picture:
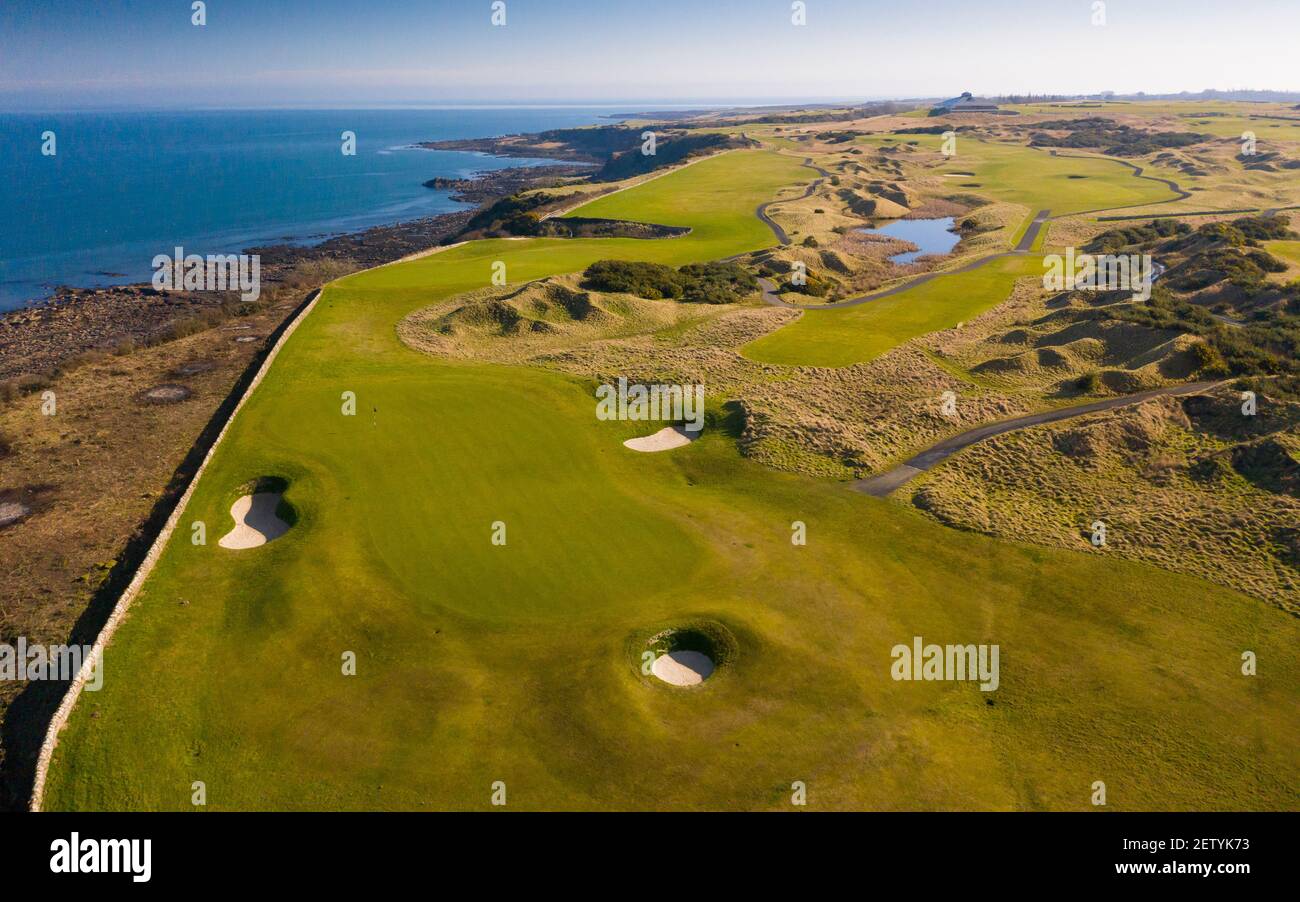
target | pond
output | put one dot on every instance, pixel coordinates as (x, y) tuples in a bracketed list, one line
[(932, 236)]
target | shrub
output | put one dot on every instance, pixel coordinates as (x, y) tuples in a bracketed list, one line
[(1116, 139), (1209, 362), (813, 285), (647, 280), (716, 283), (182, 327), (1264, 228), (1117, 239), (28, 383), (707, 283)]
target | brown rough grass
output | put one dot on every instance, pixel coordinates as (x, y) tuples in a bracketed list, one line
[(1160, 482)]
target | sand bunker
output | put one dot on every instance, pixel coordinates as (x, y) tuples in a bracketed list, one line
[(664, 440), (256, 522), (245, 339), (683, 668)]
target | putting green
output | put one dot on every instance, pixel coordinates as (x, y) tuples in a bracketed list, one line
[(520, 663)]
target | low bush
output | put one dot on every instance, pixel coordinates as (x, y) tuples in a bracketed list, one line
[(704, 283)]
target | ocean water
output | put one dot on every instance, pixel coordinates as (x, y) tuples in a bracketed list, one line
[(123, 187)]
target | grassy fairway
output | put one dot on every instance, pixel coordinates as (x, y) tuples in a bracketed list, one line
[(712, 196), (1062, 184), (1040, 181), (519, 663), (857, 334)]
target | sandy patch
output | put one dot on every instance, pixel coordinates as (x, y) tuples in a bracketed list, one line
[(167, 394), (682, 668), (664, 440), (194, 368), (256, 522), (12, 511)]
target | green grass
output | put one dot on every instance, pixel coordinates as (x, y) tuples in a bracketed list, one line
[(845, 336), (712, 197), (1040, 181), (479, 663), (1285, 250)]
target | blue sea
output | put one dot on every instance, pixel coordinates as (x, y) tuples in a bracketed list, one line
[(125, 186)]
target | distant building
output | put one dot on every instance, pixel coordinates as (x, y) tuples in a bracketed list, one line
[(965, 104)]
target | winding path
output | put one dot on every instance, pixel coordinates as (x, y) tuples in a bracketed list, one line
[(1023, 246), (1138, 172), (891, 480), (888, 482), (761, 211)]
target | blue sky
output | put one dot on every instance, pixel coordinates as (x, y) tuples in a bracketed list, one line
[(100, 53)]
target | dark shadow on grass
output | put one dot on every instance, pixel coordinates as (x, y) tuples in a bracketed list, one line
[(732, 421)]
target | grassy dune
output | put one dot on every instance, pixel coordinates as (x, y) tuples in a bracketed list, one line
[(1223, 119), (1031, 178), (519, 663)]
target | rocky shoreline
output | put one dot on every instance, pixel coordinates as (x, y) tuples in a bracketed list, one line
[(41, 340), (517, 146), (505, 182)]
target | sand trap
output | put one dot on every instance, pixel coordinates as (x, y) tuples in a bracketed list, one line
[(255, 521), (244, 339), (664, 440), (683, 668), (958, 175)]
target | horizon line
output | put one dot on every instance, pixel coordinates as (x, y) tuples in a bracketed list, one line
[(630, 106)]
